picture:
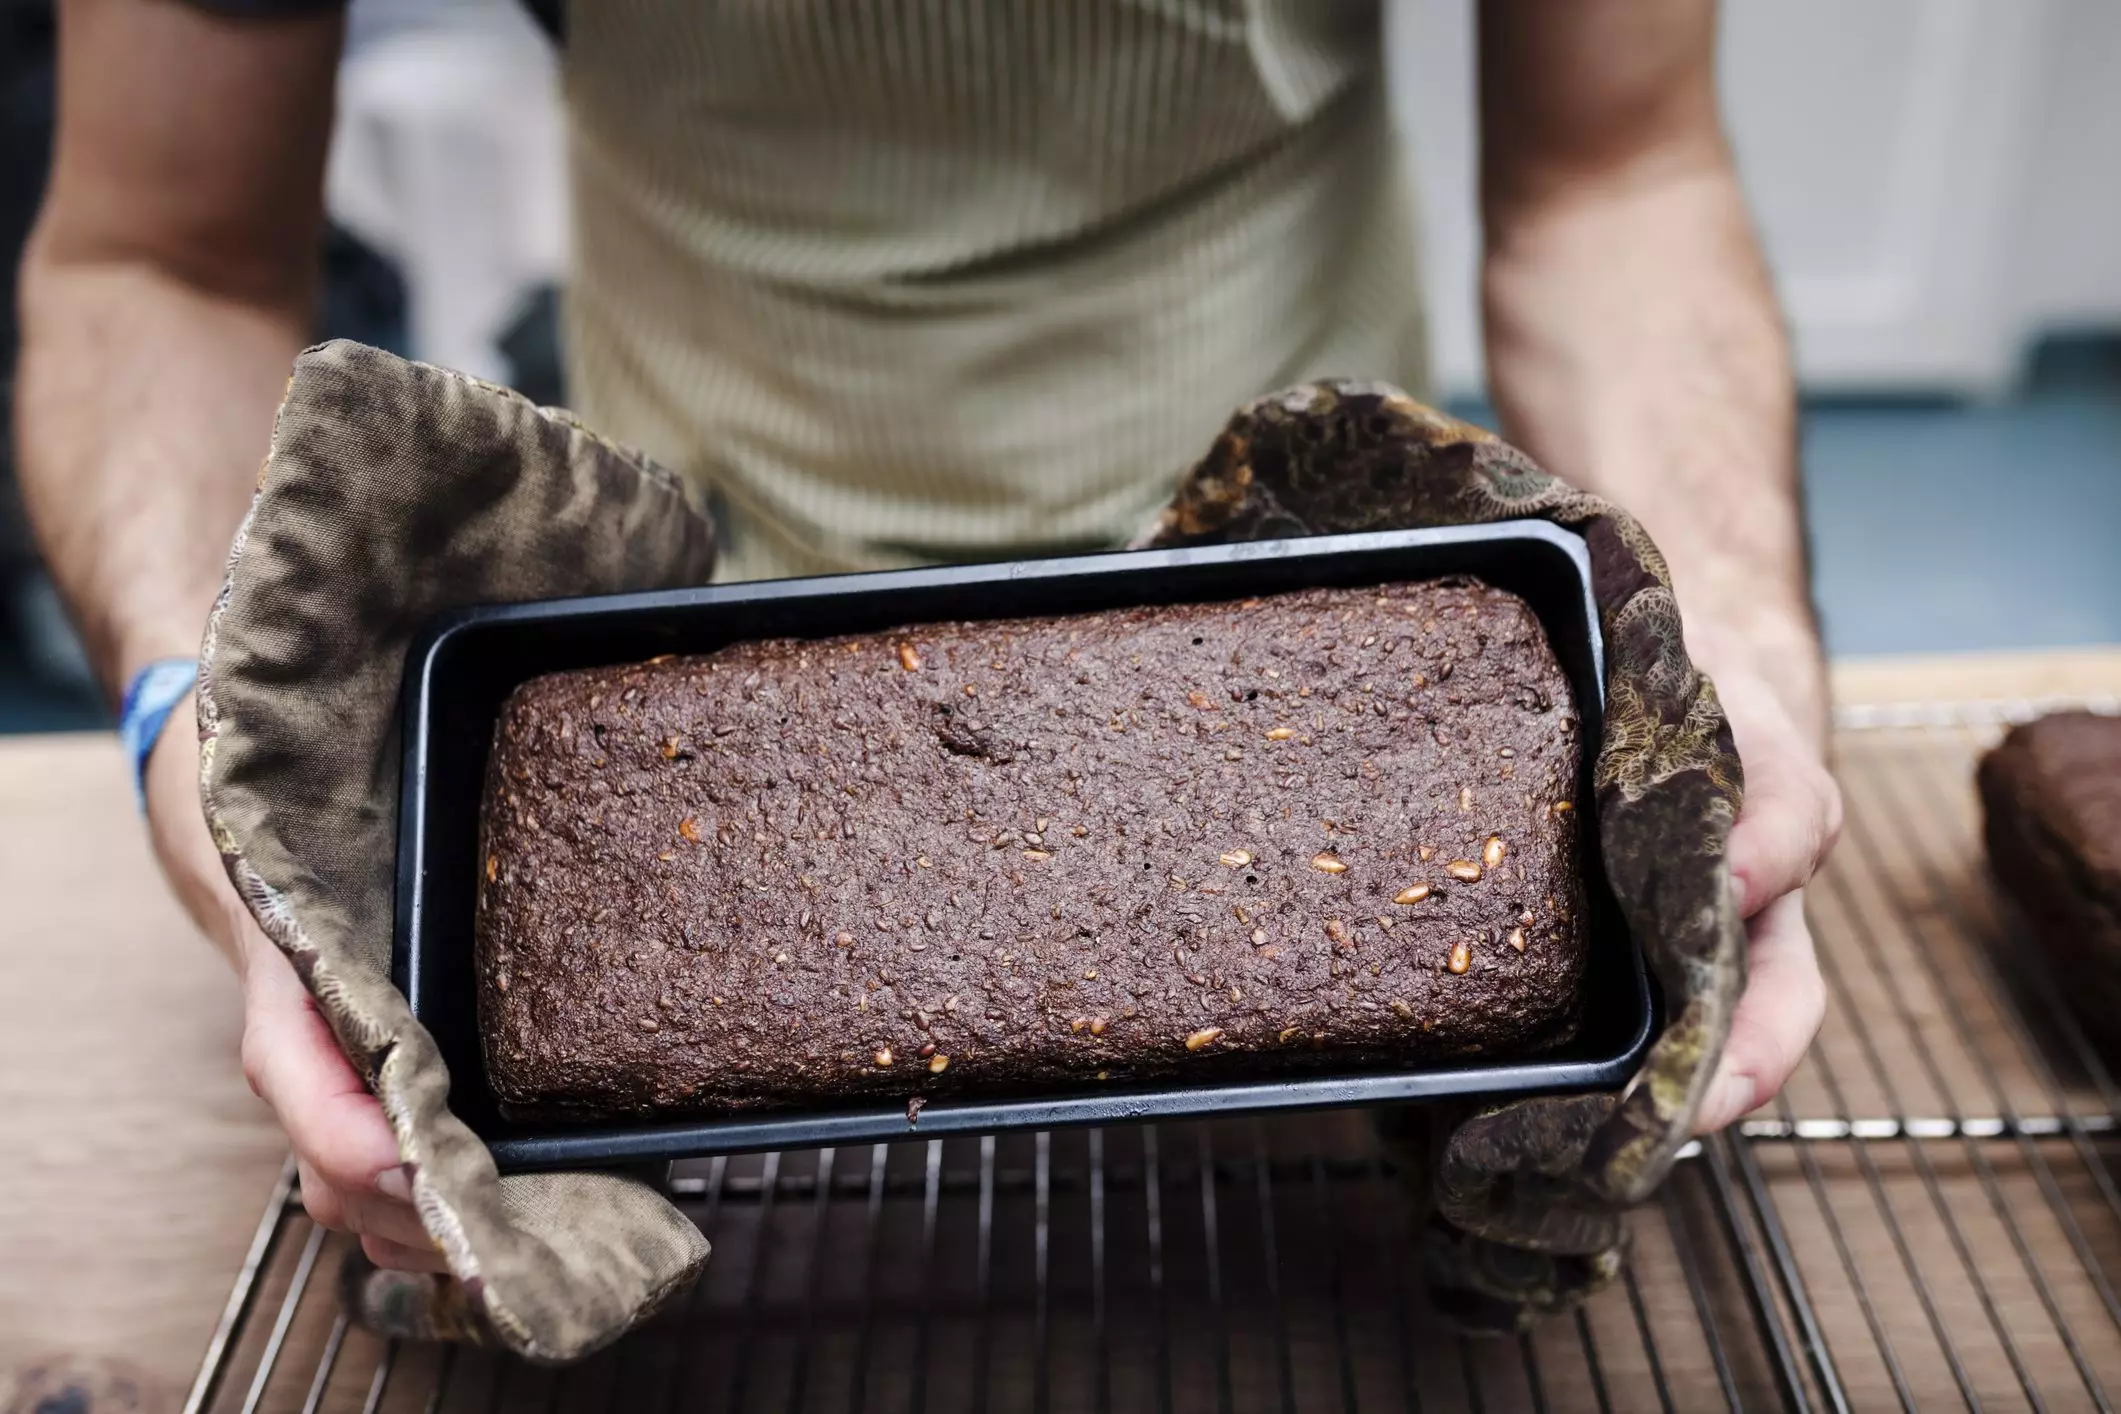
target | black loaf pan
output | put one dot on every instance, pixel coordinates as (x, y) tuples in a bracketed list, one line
[(464, 666)]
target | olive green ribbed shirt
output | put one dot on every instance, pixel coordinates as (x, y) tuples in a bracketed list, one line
[(910, 280)]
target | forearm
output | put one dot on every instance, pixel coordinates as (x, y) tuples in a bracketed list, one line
[(164, 294), (1635, 348), (143, 411)]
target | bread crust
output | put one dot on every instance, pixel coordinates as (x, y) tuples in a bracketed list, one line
[(1330, 829)]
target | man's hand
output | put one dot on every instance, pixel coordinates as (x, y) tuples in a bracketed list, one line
[(1634, 348), (1792, 817), (348, 1157)]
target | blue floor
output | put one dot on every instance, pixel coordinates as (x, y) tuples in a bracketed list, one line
[(1945, 528), (1940, 526), (27, 705), (1936, 527), (42, 688)]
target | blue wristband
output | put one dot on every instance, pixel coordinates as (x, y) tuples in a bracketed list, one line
[(153, 694)]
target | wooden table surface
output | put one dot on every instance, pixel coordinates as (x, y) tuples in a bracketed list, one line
[(138, 1160)]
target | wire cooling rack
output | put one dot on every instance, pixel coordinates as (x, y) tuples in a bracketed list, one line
[(1928, 1218)]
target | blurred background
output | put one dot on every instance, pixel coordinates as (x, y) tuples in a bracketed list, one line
[(1937, 182)]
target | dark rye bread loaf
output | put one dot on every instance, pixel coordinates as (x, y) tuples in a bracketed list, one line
[(1332, 828), (2051, 801)]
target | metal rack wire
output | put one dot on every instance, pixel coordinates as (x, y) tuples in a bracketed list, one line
[(1928, 1218)]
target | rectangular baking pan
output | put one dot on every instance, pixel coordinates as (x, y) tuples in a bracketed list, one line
[(467, 662)]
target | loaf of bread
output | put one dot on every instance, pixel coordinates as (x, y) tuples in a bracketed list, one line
[(1330, 829), (2051, 800)]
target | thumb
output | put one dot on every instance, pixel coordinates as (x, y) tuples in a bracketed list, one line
[(294, 1063), (1784, 1002)]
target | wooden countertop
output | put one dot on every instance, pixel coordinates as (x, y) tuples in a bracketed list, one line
[(2079, 673), (139, 1160)]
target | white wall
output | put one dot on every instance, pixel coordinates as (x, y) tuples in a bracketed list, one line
[(2068, 238), (1935, 180)]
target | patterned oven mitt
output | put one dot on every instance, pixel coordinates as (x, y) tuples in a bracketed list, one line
[(394, 491), (1524, 1202)]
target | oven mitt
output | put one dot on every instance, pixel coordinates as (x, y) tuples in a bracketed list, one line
[(394, 491), (1524, 1201)]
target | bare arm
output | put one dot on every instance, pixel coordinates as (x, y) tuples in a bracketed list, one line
[(166, 290), (1635, 347)]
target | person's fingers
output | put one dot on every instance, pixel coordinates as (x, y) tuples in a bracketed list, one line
[(324, 1204), (346, 1155), (362, 1214), (1792, 813), (371, 1216), (1792, 817), (1784, 1002), (291, 1060), (399, 1257)]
